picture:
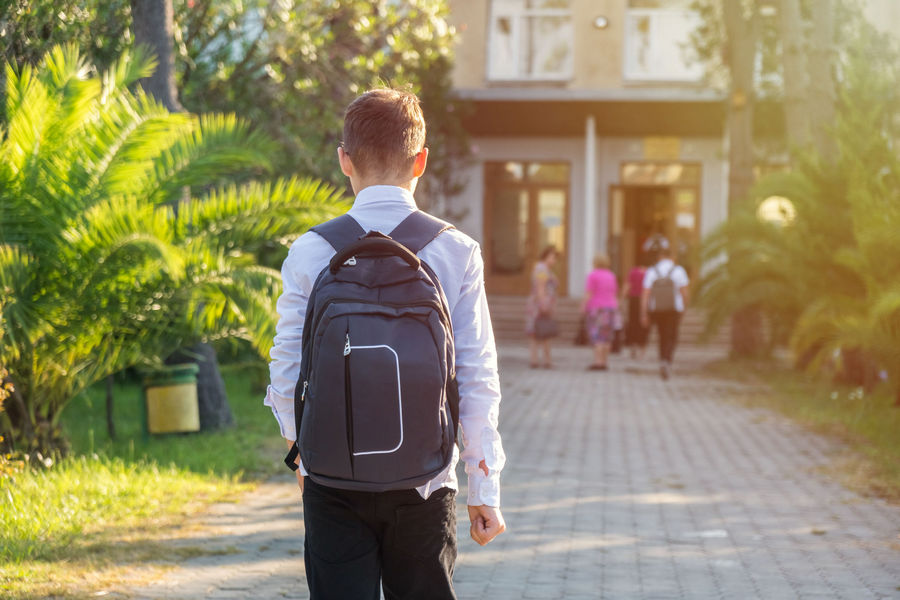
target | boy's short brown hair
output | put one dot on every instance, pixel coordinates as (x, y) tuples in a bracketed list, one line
[(384, 130)]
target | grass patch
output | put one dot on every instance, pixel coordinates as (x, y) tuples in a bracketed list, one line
[(115, 505), (235, 451), (866, 423)]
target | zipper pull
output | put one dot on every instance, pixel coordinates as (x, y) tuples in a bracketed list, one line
[(303, 394), (347, 346)]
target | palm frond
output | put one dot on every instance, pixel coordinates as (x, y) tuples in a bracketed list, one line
[(243, 217), (131, 66), (122, 142), (17, 318), (219, 146)]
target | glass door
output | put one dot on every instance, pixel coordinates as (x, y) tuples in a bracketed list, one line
[(637, 212), (526, 208)]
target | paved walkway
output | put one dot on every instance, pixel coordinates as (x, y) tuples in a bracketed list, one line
[(618, 486)]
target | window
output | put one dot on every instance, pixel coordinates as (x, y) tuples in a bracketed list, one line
[(658, 40), (530, 40)]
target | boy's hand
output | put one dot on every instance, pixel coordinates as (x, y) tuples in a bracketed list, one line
[(487, 523), (296, 462)]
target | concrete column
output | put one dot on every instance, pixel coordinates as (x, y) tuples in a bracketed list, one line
[(590, 194)]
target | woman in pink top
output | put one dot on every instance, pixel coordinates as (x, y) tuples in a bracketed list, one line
[(601, 308)]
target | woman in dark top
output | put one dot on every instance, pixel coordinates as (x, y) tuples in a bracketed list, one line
[(635, 332)]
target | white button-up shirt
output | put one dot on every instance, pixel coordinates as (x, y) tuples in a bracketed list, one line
[(457, 262)]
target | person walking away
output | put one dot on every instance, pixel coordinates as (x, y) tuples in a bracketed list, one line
[(635, 332), (600, 307), (540, 309), (663, 302), (401, 539)]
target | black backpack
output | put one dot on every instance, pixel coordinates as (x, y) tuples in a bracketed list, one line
[(377, 404)]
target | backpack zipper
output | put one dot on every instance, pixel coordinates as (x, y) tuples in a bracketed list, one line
[(348, 403)]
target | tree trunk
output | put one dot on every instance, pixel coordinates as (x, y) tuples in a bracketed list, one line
[(822, 95), (110, 422), (747, 338), (796, 78), (153, 27), (212, 399), (215, 413)]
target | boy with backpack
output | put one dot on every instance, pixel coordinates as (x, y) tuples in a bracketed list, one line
[(383, 348), (663, 302)]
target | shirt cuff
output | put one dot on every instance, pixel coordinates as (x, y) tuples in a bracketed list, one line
[(284, 415), (484, 489)]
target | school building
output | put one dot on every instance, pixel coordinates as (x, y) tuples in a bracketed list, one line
[(592, 129)]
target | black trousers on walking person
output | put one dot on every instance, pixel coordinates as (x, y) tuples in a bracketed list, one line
[(356, 540), (635, 332), (666, 323)]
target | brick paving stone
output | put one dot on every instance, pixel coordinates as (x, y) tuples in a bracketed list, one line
[(618, 486)]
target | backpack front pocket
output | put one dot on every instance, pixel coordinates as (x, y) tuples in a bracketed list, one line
[(395, 392), (376, 398)]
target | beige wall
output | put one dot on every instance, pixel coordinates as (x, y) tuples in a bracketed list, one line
[(470, 18), (598, 53), (885, 14)]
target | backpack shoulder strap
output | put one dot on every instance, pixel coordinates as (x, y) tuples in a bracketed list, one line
[(418, 230), (340, 231)]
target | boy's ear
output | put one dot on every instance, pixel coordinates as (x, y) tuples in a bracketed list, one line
[(346, 163), (420, 162)]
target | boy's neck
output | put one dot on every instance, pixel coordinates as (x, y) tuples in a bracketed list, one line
[(360, 185)]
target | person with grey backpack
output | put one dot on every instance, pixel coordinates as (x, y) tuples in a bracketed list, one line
[(663, 302), (383, 362)]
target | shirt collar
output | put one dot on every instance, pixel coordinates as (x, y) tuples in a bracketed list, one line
[(384, 194)]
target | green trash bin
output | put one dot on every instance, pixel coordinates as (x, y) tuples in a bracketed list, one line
[(170, 396)]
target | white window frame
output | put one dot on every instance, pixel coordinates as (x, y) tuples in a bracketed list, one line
[(518, 16), (629, 74)]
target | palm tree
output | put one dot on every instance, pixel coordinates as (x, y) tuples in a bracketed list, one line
[(98, 270), (827, 277)]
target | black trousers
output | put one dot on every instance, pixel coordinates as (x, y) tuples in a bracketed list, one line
[(666, 323), (354, 540), (635, 332)]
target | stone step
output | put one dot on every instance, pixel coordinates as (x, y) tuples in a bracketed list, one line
[(508, 316)]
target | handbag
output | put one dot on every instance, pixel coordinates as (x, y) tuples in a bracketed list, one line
[(581, 336), (545, 327)]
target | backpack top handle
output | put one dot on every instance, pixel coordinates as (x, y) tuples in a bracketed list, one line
[(376, 245)]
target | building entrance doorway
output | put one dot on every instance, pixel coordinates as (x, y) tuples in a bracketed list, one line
[(637, 212), (526, 207)]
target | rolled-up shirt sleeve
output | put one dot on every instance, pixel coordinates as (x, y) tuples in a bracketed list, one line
[(479, 386)]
